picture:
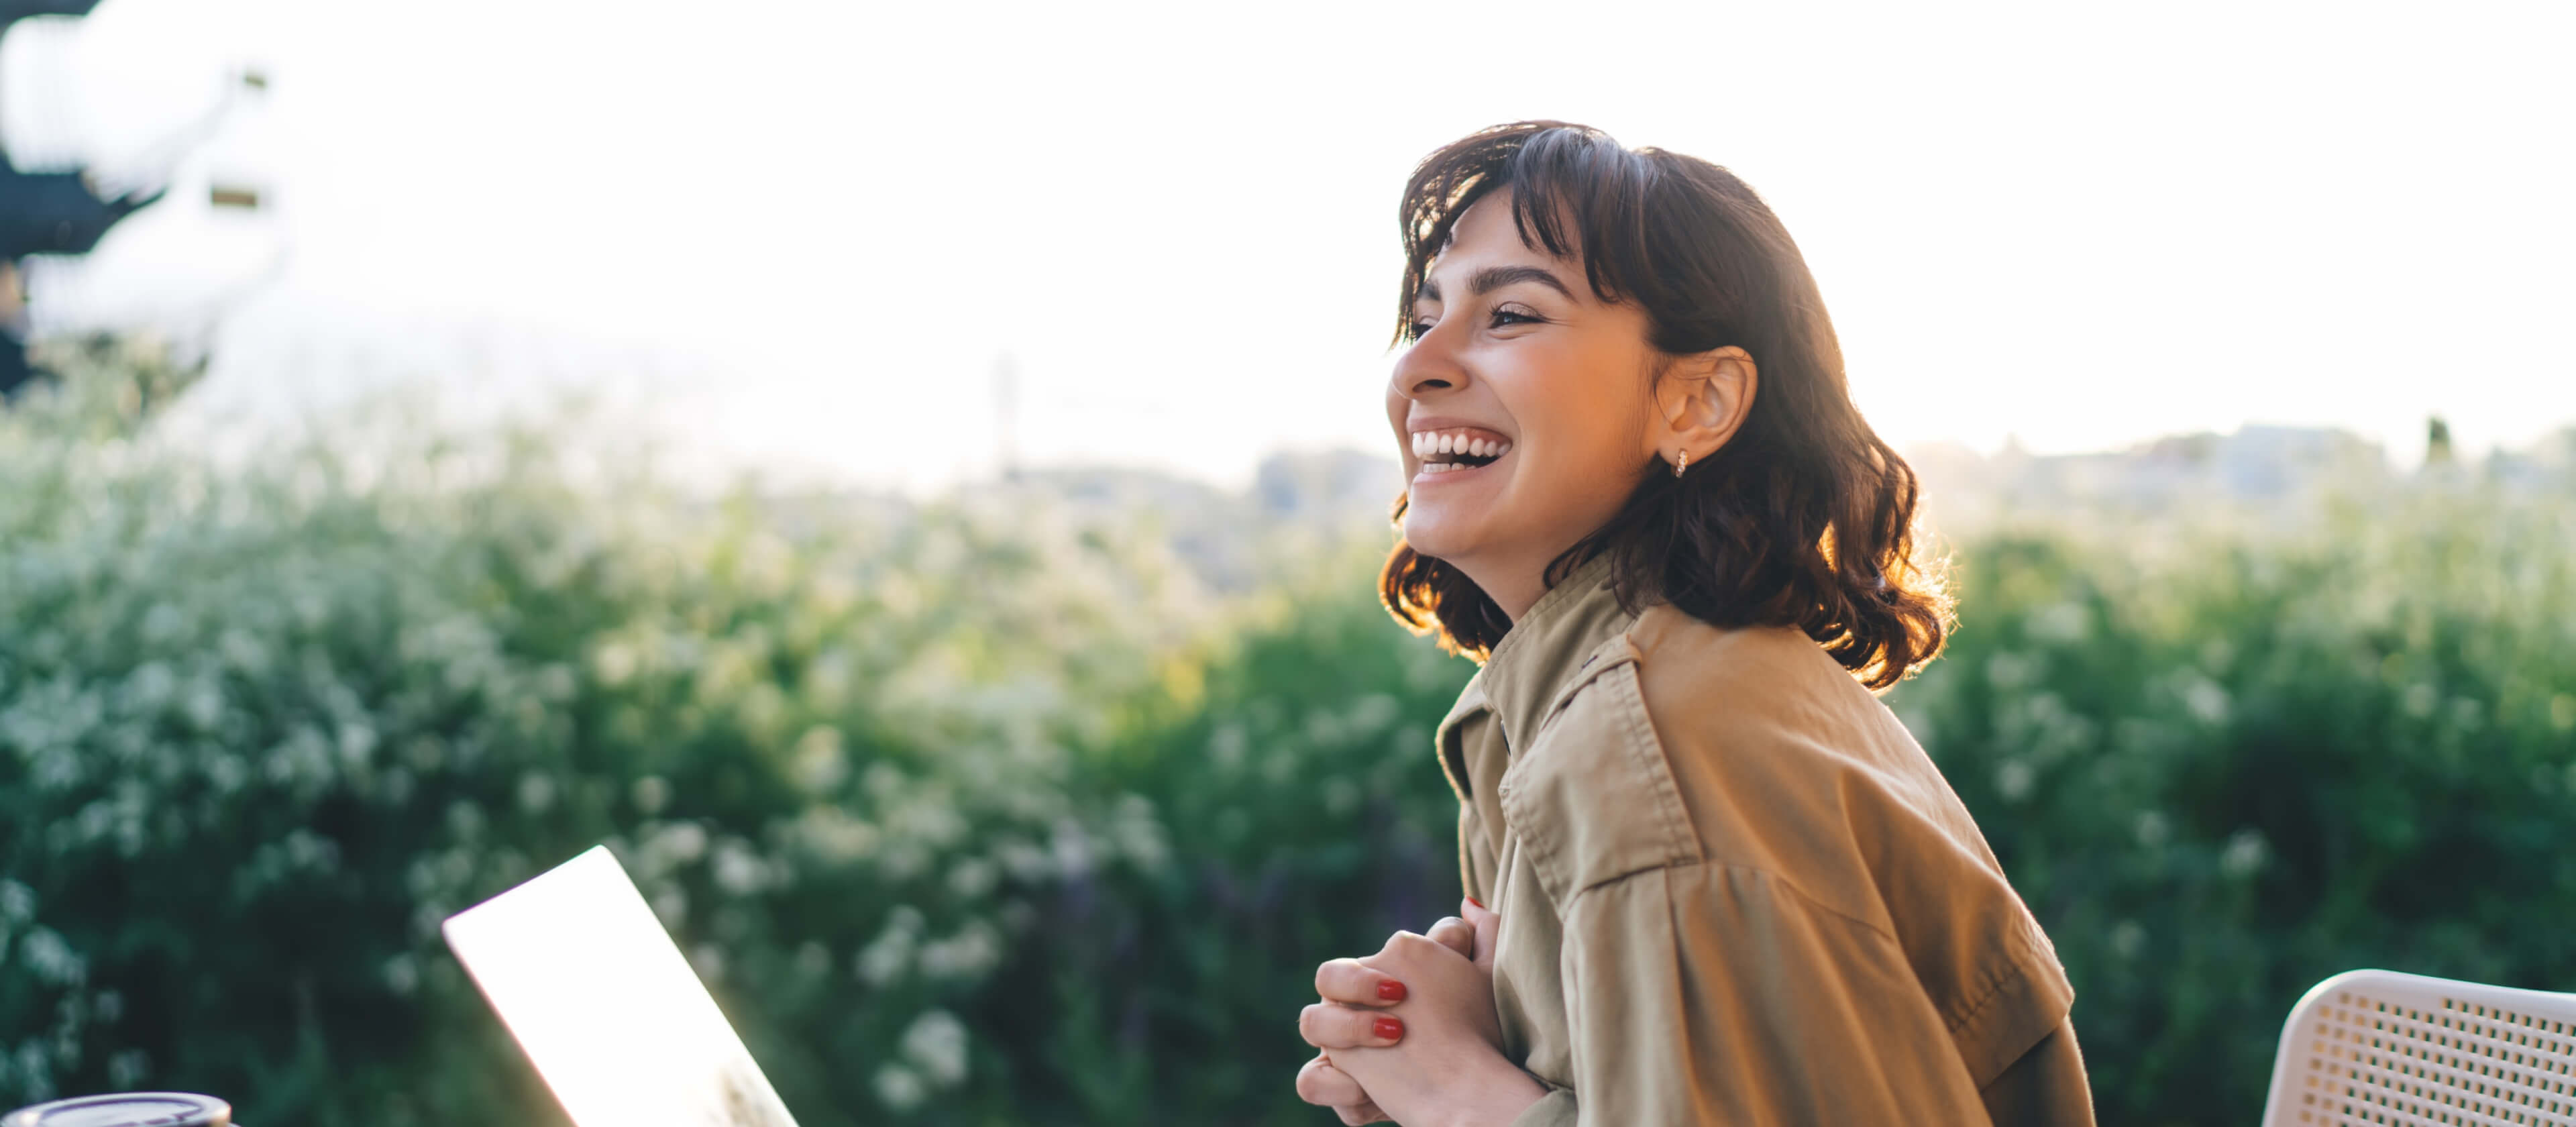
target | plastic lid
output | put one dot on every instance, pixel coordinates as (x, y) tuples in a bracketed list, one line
[(126, 1109)]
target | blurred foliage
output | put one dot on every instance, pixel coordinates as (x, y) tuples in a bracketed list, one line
[(2228, 756), (982, 812)]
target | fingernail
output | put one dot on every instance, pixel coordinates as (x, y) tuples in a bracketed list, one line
[(1478, 903), (1390, 1029), (1391, 990)]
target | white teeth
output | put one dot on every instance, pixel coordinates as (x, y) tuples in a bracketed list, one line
[(1428, 444)]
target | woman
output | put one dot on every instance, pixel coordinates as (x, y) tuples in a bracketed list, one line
[(1726, 886)]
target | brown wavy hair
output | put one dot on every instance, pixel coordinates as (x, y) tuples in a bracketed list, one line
[(1804, 518)]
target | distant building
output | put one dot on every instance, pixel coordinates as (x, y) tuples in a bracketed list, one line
[(1327, 485), (46, 212), (2258, 463)]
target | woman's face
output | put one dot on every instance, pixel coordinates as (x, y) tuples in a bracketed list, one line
[(1522, 410)]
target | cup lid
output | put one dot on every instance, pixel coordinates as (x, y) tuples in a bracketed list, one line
[(126, 1109)]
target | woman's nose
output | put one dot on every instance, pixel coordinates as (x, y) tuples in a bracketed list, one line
[(1427, 366)]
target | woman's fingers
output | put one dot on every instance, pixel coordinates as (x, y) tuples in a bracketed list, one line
[(1351, 984), (1487, 927), (1455, 934), (1326, 1025), (1322, 1084)]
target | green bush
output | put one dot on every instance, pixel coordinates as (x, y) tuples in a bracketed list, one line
[(898, 779), (2224, 759), (985, 812)]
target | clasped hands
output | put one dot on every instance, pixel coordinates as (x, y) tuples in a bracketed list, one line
[(1410, 1033)]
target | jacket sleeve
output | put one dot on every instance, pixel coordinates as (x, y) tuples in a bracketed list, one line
[(1710, 993), (2045, 1087)]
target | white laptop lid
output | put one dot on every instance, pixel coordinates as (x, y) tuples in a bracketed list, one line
[(606, 1007)]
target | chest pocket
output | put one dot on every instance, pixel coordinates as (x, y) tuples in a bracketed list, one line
[(1592, 798)]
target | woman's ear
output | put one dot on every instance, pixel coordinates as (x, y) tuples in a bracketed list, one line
[(1700, 402)]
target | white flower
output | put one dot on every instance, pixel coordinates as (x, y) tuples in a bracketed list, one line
[(975, 949), (936, 1044), (891, 951), (2245, 853), (899, 1088)]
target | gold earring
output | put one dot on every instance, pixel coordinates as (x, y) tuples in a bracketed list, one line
[(1681, 463)]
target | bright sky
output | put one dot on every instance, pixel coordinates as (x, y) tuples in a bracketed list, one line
[(816, 227)]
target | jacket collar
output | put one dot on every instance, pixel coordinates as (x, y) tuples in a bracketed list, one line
[(1547, 647)]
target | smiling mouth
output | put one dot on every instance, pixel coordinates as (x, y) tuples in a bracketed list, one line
[(1455, 450)]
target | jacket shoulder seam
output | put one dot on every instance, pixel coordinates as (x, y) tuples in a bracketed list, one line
[(1767, 876), (1597, 663)]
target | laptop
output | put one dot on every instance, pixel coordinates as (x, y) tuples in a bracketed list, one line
[(604, 1005)]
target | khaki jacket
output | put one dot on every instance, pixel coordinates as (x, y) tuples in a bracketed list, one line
[(1735, 891)]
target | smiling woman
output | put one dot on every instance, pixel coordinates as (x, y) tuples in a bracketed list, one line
[(1726, 885), (1670, 272)]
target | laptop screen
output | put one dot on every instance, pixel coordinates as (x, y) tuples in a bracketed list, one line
[(605, 1006)]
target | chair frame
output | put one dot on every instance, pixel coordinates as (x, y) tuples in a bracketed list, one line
[(2404, 1050)]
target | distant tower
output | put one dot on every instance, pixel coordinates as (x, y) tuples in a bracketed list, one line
[(1006, 412), (2437, 442), (59, 205), (45, 212)]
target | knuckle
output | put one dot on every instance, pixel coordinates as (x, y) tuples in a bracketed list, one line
[(1335, 977), (1310, 1082), (1360, 991), (1330, 1088), (1331, 1025)]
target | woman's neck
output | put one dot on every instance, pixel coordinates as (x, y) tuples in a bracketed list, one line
[(1515, 585)]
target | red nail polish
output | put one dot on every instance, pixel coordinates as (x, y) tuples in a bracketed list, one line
[(1390, 1029), (1478, 903), (1391, 990)]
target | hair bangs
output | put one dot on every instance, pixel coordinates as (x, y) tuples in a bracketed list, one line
[(1577, 194)]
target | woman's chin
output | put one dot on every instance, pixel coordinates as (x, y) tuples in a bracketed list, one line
[(1436, 534), (1446, 510)]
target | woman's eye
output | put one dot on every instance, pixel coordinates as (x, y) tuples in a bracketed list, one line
[(1421, 329), (1504, 317)]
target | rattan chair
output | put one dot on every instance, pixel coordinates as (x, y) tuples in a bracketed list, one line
[(2378, 1047)]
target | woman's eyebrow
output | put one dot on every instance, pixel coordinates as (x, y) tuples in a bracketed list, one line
[(1493, 278)]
